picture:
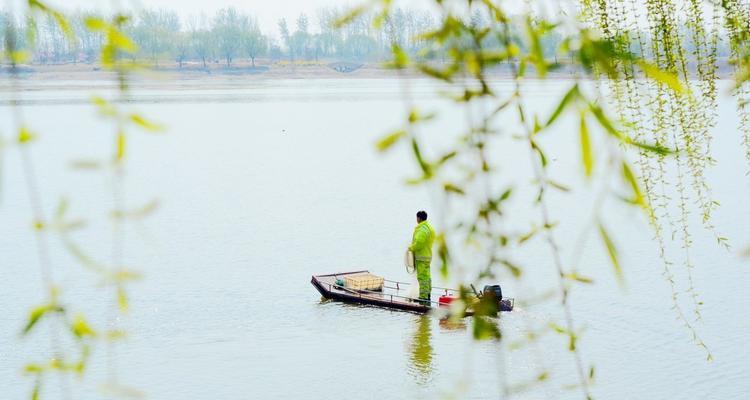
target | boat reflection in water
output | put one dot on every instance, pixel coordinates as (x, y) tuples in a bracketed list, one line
[(421, 352), (448, 324)]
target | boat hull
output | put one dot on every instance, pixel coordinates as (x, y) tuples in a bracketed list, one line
[(392, 297)]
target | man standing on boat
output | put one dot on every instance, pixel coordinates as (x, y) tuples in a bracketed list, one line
[(421, 246)]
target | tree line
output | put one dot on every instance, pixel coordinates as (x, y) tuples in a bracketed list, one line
[(230, 34), (224, 37)]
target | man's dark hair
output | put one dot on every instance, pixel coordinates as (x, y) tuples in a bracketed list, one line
[(422, 215)]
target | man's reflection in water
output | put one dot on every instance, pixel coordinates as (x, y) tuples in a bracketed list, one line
[(420, 356)]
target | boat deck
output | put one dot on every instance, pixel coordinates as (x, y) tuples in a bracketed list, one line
[(394, 293)]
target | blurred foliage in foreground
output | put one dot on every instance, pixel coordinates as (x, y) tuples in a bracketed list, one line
[(73, 336), (654, 69)]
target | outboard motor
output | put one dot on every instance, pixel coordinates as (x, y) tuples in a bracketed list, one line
[(496, 293), (493, 290)]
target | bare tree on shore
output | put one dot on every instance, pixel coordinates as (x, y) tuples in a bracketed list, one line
[(230, 34)]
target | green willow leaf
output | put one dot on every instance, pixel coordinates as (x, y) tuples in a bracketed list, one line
[(497, 13), (558, 329), (653, 148), (34, 317), (19, 56), (522, 67), (388, 141), (537, 126), (62, 208), (612, 252), (104, 107), (506, 195), (33, 368), (443, 254), (513, 268), (451, 188), (587, 156), (137, 213), (400, 58), (741, 77), (82, 257), (85, 164), (661, 76), (504, 104), (426, 168), (37, 389), (485, 329), (96, 24), (59, 17), (572, 342), (25, 135), (146, 124), (447, 157), (115, 334), (528, 235), (571, 95), (539, 151), (81, 328), (415, 116), (116, 40), (122, 299), (630, 179), (120, 152), (444, 75), (573, 276), (37, 313), (379, 19), (558, 186), (536, 55), (124, 275), (495, 57), (604, 121), (121, 42), (349, 17)]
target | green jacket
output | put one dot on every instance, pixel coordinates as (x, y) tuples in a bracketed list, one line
[(421, 244)]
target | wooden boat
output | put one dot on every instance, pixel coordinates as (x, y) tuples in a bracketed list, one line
[(393, 295)]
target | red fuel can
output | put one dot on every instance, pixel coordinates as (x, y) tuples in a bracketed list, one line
[(444, 301)]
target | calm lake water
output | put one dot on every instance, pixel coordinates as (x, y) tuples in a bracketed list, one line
[(263, 185)]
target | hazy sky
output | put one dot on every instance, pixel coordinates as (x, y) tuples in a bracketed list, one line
[(267, 11)]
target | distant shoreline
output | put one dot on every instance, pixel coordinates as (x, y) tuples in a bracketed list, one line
[(213, 71), (240, 71)]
